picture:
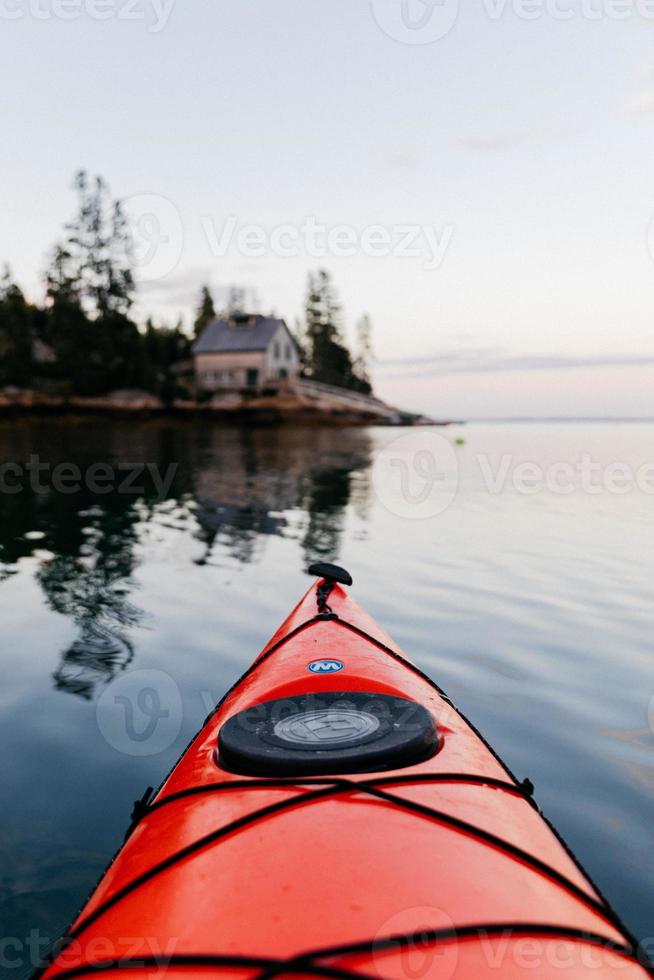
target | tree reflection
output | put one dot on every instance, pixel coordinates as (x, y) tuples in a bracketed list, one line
[(234, 488), (85, 562), (92, 589), (325, 501)]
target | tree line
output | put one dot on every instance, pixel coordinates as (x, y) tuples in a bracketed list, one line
[(83, 340)]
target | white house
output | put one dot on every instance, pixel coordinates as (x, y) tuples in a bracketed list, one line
[(244, 351)]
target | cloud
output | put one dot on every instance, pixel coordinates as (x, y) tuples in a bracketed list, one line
[(490, 360), (183, 289)]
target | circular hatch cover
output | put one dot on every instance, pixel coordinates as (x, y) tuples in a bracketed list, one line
[(330, 732)]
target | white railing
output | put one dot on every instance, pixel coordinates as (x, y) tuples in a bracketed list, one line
[(318, 388)]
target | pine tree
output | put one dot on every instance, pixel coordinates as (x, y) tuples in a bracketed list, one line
[(327, 356), (206, 311), (90, 287), (62, 278), (94, 263), (17, 322)]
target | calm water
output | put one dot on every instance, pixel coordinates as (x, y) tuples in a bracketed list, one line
[(531, 606)]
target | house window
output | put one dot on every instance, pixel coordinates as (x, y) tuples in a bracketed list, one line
[(288, 352), (276, 350)]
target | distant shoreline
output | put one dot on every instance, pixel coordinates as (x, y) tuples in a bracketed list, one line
[(561, 419)]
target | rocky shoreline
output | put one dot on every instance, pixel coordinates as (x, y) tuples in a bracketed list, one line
[(276, 408)]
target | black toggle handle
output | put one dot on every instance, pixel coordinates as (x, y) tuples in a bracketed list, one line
[(333, 573)]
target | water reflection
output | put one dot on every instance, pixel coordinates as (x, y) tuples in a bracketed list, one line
[(327, 496), (533, 612), (91, 588), (85, 560), (258, 482), (232, 488), (234, 529)]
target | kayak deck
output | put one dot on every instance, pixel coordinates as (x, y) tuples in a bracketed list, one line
[(440, 868)]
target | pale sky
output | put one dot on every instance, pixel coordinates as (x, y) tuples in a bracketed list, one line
[(513, 142)]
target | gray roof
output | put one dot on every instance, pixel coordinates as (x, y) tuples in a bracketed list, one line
[(241, 334)]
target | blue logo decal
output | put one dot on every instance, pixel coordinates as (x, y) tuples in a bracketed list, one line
[(325, 666)]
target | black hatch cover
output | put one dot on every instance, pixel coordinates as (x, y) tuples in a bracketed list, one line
[(329, 732)]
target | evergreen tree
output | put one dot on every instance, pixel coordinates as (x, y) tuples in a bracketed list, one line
[(322, 312), (17, 333), (90, 289), (327, 356), (206, 311), (95, 260), (164, 346), (62, 278)]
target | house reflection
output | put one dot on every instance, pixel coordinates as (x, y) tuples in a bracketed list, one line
[(285, 482)]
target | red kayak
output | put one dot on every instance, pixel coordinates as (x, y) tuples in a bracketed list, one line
[(337, 816)]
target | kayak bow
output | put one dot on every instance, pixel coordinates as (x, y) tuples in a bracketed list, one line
[(337, 816)]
